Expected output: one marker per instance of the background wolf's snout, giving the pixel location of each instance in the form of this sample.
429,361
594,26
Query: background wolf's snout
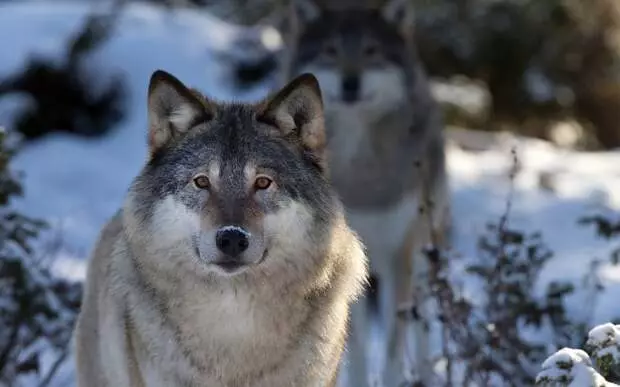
232,241
350,88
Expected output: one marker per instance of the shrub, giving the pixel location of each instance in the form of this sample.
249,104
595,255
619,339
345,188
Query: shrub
37,311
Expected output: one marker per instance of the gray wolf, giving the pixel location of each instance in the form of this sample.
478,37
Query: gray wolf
386,155
230,262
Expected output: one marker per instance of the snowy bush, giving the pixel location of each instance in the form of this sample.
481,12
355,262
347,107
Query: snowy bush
502,337
572,368
504,334
37,311
604,346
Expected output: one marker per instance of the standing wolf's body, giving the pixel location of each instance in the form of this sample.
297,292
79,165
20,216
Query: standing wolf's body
230,263
385,152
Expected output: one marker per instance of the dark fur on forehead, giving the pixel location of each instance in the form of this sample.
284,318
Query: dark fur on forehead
234,139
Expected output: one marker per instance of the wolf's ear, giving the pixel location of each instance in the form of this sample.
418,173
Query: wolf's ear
297,111
296,15
173,109
400,13
305,11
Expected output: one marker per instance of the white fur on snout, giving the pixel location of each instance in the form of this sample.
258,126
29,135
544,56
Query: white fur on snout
286,231
381,90
172,222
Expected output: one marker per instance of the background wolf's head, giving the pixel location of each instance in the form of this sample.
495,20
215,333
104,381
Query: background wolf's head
360,54
231,187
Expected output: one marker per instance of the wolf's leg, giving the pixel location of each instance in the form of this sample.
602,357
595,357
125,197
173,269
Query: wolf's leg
421,355
395,292
357,370
441,227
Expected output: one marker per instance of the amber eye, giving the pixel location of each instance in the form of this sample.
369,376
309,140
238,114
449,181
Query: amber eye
202,182
262,182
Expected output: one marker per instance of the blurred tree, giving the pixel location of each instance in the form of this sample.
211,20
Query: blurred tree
37,310
67,96
542,61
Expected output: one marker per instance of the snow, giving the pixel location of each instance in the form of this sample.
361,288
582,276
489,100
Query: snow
573,364
604,340
77,184
604,334
579,184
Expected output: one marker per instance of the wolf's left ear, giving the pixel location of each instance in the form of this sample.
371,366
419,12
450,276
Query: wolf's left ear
297,111
401,14
173,109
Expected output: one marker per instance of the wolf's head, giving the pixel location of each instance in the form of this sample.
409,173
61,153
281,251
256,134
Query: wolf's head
360,55
229,188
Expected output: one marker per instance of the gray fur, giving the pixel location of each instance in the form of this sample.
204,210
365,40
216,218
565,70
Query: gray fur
385,149
158,309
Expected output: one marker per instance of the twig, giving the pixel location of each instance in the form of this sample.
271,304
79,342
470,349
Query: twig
511,176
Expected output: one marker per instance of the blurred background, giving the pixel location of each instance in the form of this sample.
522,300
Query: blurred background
531,80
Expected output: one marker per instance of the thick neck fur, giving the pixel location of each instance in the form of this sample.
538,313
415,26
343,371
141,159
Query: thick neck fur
386,145
241,318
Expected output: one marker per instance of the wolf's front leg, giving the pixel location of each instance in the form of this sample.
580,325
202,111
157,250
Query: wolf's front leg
422,367
394,291
356,369
441,232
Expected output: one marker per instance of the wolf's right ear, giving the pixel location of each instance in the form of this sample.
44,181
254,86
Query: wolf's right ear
173,109
297,111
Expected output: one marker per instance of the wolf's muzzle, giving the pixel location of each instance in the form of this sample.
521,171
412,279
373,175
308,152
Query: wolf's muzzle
350,88
232,241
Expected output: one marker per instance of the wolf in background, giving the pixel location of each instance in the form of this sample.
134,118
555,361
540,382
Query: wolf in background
385,149
230,262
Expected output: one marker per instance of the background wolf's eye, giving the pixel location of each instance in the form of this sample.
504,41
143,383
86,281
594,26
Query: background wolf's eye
202,182
371,50
262,182
330,50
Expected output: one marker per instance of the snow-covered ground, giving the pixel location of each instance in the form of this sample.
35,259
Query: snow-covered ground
77,184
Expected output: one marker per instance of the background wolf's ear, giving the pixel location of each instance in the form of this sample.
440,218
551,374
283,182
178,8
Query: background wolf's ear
305,11
400,13
296,15
297,111
173,109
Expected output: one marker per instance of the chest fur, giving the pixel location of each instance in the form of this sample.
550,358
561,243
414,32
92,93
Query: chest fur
372,159
384,230
208,335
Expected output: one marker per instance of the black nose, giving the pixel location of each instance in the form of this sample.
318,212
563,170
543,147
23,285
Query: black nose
232,241
350,88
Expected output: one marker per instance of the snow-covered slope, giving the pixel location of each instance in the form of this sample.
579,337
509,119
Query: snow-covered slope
77,184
